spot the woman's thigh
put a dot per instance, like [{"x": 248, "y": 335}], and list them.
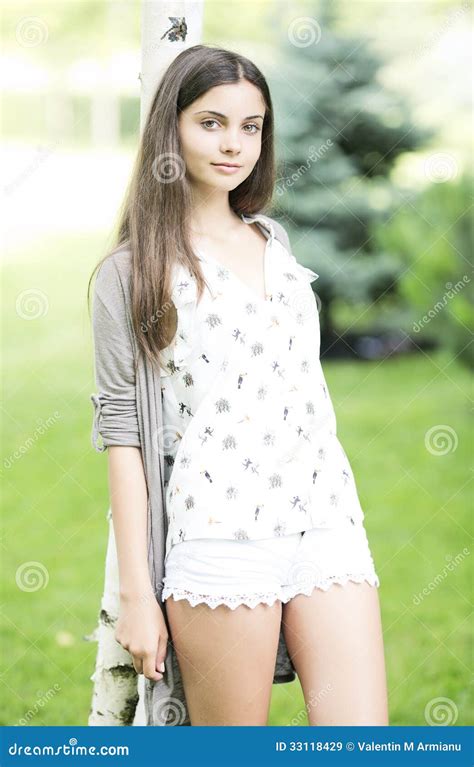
[
  {"x": 227, "y": 660},
  {"x": 335, "y": 641}
]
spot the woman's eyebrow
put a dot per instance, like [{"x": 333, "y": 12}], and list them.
[{"x": 219, "y": 114}]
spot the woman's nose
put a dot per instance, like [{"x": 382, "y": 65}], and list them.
[{"x": 230, "y": 140}]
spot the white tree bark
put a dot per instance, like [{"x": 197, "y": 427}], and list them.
[
  {"x": 118, "y": 692},
  {"x": 115, "y": 695}
]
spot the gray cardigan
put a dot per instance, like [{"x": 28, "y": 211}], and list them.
[{"x": 128, "y": 411}]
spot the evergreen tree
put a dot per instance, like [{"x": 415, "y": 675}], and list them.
[{"x": 339, "y": 132}]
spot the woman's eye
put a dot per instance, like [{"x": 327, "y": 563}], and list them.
[
  {"x": 252, "y": 125},
  {"x": 205, "y": 123}
]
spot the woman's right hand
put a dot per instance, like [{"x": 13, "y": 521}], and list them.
[{"x": 141, "y": 630}]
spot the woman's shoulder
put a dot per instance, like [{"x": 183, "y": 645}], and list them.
[
  {"x": 113, "y": 276},
  {"x": 279, "y": 233},
  {"x": 112, "y": 283},
  {"x": 118, "y": 261},
  {"x": 275, "y": 228}
]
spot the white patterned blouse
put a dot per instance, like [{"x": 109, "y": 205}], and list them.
[{"x": 250, "y": 441}]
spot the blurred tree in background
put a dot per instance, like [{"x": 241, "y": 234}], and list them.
[
  {"x": 339, "y": 134},
  {"x": 435, "y": 290}
]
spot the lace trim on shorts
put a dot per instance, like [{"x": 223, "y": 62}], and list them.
[
  {"x": 232, "y": 601},
  {"x": 235, "y": 600},
  {"x": 325, "y": 583}
]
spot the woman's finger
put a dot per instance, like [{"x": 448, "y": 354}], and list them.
[
  {"x": 149, "y": 667},
  {"x": 161, "y": 653},
  {"x": 138, "y": 665}
]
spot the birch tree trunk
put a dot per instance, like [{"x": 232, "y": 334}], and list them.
[{"x": 118, "y": 693}]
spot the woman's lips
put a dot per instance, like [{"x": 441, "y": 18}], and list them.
[{"x": 229, "y": 169}]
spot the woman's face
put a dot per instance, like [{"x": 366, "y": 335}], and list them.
[{"x": 224, "y": 125}]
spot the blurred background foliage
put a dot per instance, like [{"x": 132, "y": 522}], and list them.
[
  {"x": 374, "y": 148},
  {"x": 357, "y": 148}
]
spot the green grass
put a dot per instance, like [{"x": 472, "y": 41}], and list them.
[{"x": 417, "y": 504}]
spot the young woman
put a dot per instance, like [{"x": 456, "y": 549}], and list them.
[{"x": 264, "y": 525}]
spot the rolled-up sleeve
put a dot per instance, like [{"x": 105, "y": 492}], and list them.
[{"x": 114, "y": 402}]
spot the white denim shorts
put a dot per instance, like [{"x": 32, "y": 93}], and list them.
[{"x": 249, "y": 572}]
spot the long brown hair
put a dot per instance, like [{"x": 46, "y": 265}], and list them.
[{"x": 157, "y": 205}]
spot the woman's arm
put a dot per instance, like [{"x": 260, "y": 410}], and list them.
[
  {"x": 141, "y": 628},
  {"x": 128, "y": 501},
  {"x": 115, "y": 406}
]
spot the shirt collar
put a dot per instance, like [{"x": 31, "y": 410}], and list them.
[{"x": 250, "y": 218}]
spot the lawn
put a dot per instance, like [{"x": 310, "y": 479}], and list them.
[{"x": 417, "y": 503}]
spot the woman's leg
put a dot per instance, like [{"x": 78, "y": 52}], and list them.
[
  {"x": 335, "y": 641},
  {"x": 227, "y": 660}
]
